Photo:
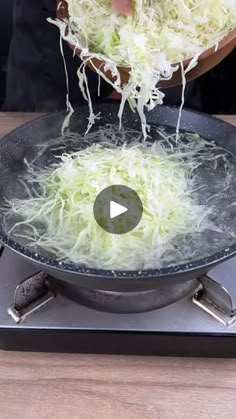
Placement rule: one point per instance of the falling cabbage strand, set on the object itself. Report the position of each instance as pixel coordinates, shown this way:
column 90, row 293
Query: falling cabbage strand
column 158, row 35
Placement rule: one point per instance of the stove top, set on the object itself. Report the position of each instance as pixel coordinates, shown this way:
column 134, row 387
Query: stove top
column 204, row 324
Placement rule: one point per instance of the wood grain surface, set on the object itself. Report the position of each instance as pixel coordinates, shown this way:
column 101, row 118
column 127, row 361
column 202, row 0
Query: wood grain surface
column 66, row 386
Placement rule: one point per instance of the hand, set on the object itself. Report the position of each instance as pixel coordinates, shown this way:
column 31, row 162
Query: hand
column 123, row 7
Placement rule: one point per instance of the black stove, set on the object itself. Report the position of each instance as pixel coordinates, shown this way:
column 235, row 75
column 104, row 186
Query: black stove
column 34, row 316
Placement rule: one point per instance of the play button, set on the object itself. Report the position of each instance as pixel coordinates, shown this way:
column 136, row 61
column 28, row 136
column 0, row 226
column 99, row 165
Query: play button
column 118, row 209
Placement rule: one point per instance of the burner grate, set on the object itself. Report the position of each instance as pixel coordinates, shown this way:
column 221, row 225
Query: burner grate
column 30, row 295
column 215, row 300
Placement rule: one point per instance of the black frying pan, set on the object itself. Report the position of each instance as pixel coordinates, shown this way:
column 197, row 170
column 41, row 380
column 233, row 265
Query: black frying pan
column 22, row 142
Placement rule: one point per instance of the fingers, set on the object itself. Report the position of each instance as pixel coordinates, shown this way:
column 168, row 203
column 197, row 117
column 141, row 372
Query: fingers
column 123, row 7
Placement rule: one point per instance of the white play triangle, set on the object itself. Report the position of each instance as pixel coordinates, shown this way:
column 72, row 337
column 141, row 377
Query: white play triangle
column 116, row 209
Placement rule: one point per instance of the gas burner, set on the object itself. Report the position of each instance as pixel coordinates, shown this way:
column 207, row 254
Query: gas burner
column 50, row 315
column 40, row 288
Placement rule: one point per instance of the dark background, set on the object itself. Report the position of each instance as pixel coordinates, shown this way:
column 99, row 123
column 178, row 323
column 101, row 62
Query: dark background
column 6, row 27
column 217, row 89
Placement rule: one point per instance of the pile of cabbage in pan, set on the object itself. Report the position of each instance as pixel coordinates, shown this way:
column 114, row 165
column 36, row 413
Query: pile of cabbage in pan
column 159, row 34
column 55, row 216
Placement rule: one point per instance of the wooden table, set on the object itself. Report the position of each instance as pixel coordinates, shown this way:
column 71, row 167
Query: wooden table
column 55, row 386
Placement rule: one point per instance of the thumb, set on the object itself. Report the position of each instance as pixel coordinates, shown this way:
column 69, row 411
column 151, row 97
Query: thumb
column 123, row 7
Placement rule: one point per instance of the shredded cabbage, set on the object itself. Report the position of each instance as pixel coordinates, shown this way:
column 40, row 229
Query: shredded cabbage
column 160, row 34
column 56, row 215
